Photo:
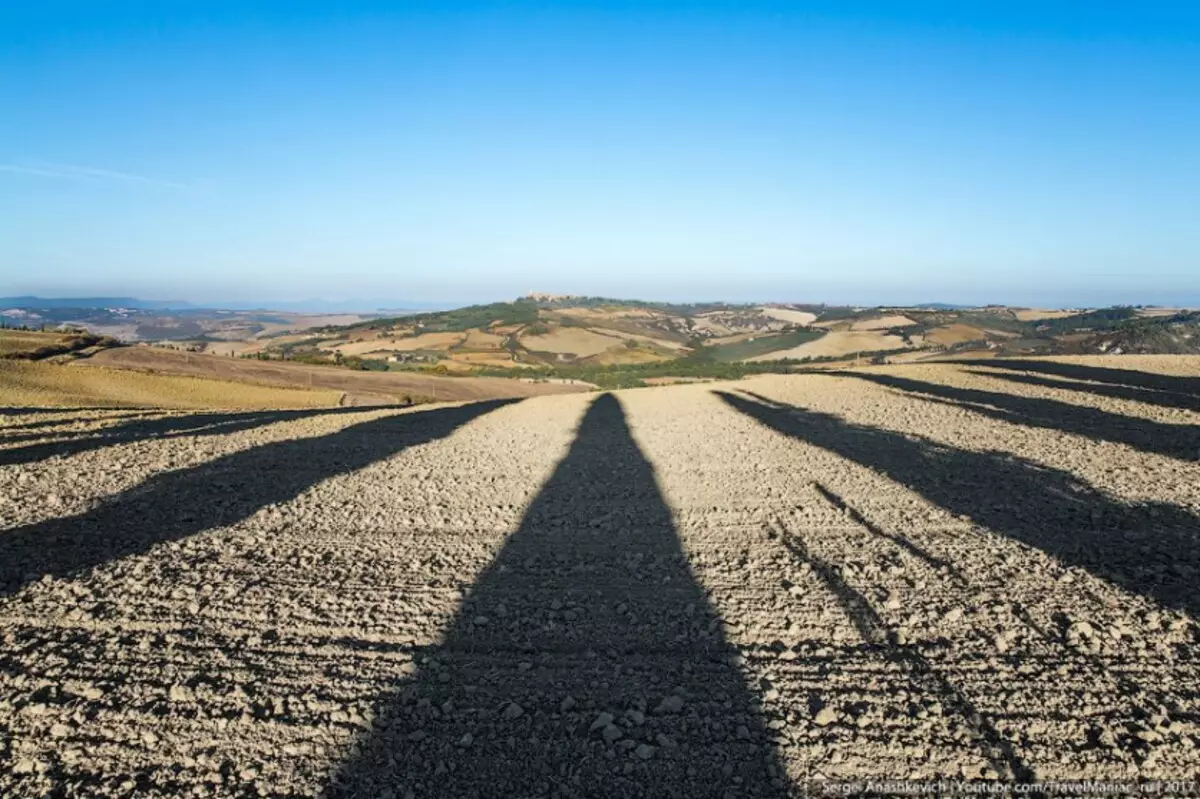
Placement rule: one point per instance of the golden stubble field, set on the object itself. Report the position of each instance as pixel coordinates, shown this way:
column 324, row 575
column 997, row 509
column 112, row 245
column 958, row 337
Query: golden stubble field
column 360, row 387
column 25, row 384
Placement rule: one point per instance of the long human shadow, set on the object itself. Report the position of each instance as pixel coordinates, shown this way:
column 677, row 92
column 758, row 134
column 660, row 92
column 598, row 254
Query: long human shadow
column 217, row 493
column 1000, row 752
column 1099, row 374
column 585, row 661
column 1151, row 549
column 1165, row 399
column 17, row 410
column 23, row 427
column 1174, row 440
column 192, row 424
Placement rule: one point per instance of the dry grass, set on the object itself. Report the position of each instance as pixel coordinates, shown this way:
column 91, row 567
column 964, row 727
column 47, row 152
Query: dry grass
column 573, row 340
column 426, row 341
column 789, row 315
column 610, row 312
column 733, row 338
column 882, row 323
column 650, row 341
column 478, row 340
column 627, row 355
column 1034, row 314
column 228, row 348
column 497, row 358
column 382, row 386
column 956, row 333
column 21, row 342
column 718, row 330
column 24, row 384
column 837, row 343
column 1153, row 312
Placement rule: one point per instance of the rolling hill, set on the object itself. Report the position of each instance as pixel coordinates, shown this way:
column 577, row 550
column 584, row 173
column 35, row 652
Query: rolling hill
column 615, row 343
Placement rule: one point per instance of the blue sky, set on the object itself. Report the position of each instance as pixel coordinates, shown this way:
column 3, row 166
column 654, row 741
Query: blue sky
column 886, row 152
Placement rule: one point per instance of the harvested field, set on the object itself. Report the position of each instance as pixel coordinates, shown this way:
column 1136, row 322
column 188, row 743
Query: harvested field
column 769, row 344
column 650, row 341
column 956, row 333
column 434, row 342
column 570, row 340
column 932, row 571
column 627, row 355
column 50, row 385
column 27, row 342
column 369, row 387
column 479, row 340
column 600, row 314
column 1036, row 314
column 837, row 343
column 231, row 348
column 425, row 341
column 789, row 315
column 1161, row 311
column 495, row 358
column 47, row 346
column 717, row 329
column 882, row 323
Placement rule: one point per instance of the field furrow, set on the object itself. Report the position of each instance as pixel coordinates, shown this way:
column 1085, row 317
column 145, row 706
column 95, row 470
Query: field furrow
column 723, row 589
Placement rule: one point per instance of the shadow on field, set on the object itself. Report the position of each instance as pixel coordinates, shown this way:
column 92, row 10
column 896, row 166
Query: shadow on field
column 873, row 630
column 221, row 492
column 1176, row 388
column 1150, row 549
column 1174, row 440
column 16, row 410
column 190, row 424
column 1163, row 399
column 585, row 661
column 908, row 546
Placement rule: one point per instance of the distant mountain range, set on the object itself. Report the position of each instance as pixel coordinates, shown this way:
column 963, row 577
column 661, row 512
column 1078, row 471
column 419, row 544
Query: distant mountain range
column 293, row 306
column 27, row 302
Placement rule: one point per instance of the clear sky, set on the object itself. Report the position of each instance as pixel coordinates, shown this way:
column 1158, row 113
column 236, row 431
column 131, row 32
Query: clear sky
column 884, row 152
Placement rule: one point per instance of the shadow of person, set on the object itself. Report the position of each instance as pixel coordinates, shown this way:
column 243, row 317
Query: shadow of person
column 999, row 751
column 1175, row 384
column 1151, row 549
column 1173, row 440
column 175, row 426
column 585, row 661
column 217, row 493
column 1163, row 399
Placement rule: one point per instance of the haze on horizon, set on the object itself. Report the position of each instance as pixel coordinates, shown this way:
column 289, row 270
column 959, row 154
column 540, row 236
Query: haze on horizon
column 863, row 152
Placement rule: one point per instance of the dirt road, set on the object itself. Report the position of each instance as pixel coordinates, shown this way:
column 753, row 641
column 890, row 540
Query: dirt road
column 930, row 571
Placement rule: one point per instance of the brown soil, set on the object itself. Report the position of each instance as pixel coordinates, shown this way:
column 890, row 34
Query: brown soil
column 926, row 572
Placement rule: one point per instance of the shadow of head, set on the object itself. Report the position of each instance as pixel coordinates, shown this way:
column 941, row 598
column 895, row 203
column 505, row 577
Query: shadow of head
column 586, row 659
